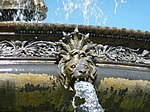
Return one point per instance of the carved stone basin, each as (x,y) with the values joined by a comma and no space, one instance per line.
(29,9)
(29,68)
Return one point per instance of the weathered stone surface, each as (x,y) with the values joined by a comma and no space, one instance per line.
(32,92)
(98,35)
(124,95)
(42,92)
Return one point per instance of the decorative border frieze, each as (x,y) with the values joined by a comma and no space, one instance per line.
(48,49)
(121,54)
(24,49)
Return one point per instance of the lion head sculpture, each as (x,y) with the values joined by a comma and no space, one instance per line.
(76,62)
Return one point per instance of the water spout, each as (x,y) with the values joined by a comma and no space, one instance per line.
(85,93)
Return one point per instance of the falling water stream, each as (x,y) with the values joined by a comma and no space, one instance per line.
(92,11)
(22,9)
(85,93)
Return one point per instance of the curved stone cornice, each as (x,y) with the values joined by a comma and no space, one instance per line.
(94,30)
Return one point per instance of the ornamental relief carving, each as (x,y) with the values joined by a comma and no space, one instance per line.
(27,49)
(48,49)
(76,59)
(121,54)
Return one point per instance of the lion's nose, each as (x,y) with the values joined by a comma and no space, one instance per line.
(82,71)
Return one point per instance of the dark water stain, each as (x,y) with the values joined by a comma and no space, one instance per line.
(30,88)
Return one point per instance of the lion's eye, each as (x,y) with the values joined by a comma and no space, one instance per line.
(85,66)
(73,66)
(82,55)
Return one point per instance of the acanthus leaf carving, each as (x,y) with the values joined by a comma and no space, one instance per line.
(27,49)
(121,54)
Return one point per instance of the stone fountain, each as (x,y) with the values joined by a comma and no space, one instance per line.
(10,9)
(117,63)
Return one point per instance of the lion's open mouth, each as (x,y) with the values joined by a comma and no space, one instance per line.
(78,79)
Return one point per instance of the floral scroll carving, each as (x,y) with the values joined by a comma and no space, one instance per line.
(121,54)
(27,49)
